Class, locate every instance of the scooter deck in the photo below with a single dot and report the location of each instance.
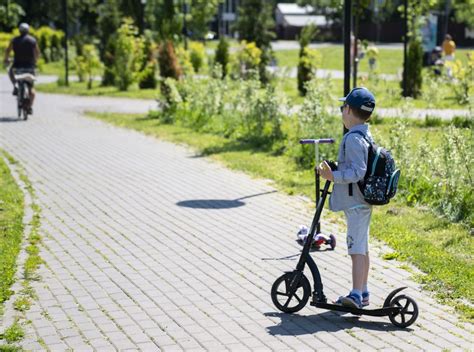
(372, 312)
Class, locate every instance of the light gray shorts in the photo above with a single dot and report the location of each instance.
(358, 223)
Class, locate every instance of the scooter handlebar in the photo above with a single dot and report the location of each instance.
(317, 141)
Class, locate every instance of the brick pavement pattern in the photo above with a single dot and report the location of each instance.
(149, 247)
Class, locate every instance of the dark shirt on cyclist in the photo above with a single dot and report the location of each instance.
(24, 49)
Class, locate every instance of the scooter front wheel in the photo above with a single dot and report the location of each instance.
(408, 312)
(291, 291)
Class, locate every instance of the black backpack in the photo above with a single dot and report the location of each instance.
(380, 182)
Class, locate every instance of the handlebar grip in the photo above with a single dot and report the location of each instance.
(317, 141)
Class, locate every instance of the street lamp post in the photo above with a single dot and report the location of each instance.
(405, 42)
(66, 58)
(143, 2)
(347, 48)
(185, 28)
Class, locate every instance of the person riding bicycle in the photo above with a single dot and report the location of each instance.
(26, 53)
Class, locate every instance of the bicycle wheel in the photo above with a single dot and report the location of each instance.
(26, 103)
(19, 100)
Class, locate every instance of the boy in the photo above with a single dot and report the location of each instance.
(346, 196)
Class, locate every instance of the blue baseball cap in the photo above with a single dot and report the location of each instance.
(360, 98)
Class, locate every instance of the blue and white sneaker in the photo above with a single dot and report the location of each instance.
(365, 299)
(352, 301)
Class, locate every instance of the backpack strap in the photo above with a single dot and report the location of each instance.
(344, 151)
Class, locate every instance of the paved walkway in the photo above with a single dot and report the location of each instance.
(147, 246)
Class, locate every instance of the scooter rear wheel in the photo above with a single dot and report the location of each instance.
(408, 311)
(291, 291)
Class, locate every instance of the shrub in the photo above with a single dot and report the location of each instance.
(222, 55)
(128, 54)
(91, 63)
(249, 57)
(168, 62)
(184, 60)
(147, 73)
(463, 122)
(108, 79)
(414, 68)
(198, 55)
(170, 101)
(463, 82)
(309, 60)
(80, 68)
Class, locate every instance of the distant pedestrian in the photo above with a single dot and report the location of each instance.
(449, 47)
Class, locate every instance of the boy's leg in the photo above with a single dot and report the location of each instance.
(358, 221)
(359, 271)
(366, 273)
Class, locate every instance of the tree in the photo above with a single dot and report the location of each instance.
(255, 24)
(10, 15)
(201, 13)
(164, 17)
(464, 11)
(108, 23)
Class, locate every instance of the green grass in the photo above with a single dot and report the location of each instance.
(11, 229)
(387, 94)
(441, 249)
(390, 61)
(13, 333)
(80, 88)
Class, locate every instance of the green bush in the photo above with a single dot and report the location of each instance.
(197, 55)
(168, 62)
(309, 61)
(249, 57)
(108, 78)
(463, 83)
(222, 55)
(414, 70)
(87, 64)
(128, 55)
(147, 73)
(184, 60)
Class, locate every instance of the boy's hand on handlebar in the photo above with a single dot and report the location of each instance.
(325, 171)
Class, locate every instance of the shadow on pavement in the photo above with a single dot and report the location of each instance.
(329, 321)
(217, 203)
(10, 119)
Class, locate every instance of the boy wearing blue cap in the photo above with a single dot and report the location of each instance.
(346, 195)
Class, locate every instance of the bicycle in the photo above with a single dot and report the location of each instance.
(24, 79)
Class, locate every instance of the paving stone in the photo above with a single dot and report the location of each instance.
(140, 232)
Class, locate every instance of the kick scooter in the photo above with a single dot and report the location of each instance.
(319, 238)
(291, 291)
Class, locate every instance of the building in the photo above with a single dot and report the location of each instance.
(226, 18)
(291, 18)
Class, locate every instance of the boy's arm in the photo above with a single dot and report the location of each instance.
(356, 154)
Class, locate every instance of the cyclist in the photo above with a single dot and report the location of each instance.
(26, 53)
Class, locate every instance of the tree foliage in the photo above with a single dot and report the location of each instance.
(164, 17)
(10, 15)
(255, 24)
(201, 13)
